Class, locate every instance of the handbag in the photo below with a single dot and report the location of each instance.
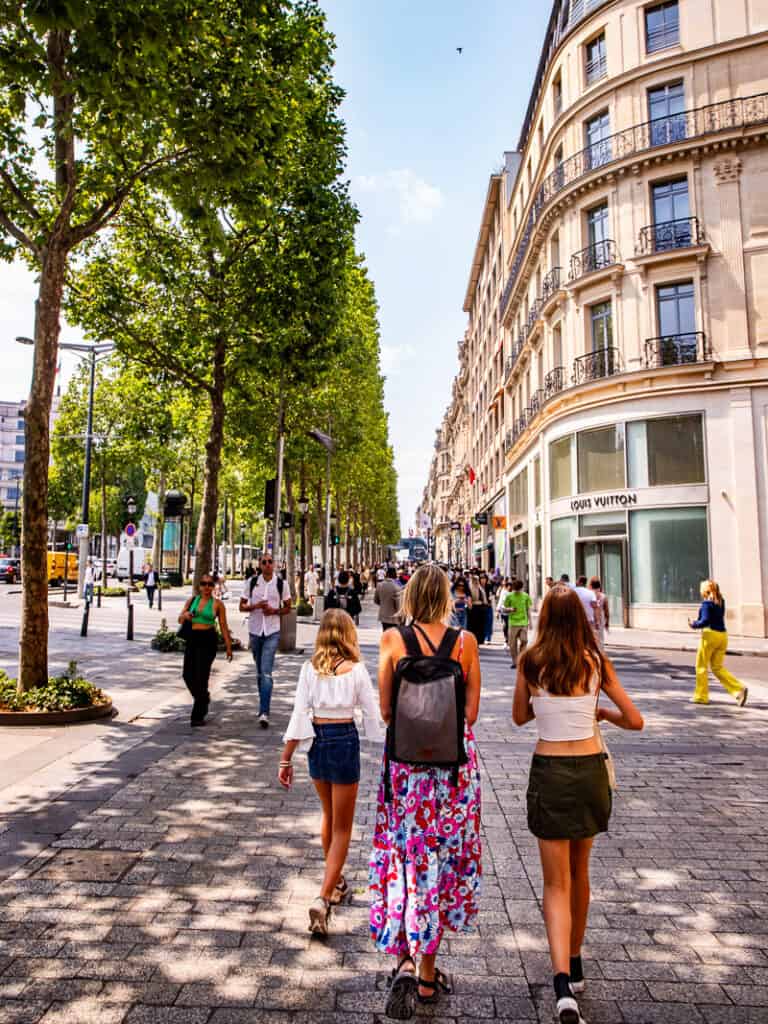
(610, 765)
(184, 632)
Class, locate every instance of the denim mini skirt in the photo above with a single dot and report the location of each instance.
(568, 797)
(335, 753)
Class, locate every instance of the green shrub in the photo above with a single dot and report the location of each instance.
(166, 640)
(113, 591)
(304, 608)
(61, 693)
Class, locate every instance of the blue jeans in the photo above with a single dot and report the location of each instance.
(489, 623)
(263, 650)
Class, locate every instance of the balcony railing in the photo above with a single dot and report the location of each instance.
(677, 349)
(596, 69)
(508, 366)
(594, 257)
(550, 284)
(724, 116)
(554, 381)
(669, 234)
(603, 362)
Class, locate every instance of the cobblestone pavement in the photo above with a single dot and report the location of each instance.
(174, 884)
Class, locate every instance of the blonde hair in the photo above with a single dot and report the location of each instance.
(710, 591)
(427, 596)
(336, 641)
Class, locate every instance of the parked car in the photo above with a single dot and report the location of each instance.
(9, 570)
(111, 567)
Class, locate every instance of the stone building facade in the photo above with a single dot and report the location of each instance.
(632, 317)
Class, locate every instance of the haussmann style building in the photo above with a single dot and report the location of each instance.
(617, 345)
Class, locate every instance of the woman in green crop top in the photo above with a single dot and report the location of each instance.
(202, 611)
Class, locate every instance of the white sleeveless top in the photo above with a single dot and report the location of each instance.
(334, 697)
(566, 718)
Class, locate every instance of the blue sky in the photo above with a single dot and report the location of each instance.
(426, 127)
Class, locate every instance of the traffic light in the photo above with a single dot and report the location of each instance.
(174, 504)
(286, 520)
(69, 546)
(269, 498)
(335, 539)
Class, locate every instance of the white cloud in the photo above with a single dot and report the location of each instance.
(393, 356)
(416, 201)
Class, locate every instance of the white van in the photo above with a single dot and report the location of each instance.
(140, 556)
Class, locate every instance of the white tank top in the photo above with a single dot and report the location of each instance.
(566, 718)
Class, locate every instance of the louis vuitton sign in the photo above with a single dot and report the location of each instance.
(598, 502)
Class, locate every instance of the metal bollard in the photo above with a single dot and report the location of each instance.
(65, 589)
(98, 597)
(84, 626)
(159, 595)
(129, 629)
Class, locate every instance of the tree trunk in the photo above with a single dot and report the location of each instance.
(233, 540)
(210, 501)
(321, 523)
(290, 554)
(33, 635)
(104, 536)
(186, 551)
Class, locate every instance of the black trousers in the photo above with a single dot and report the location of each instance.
(476, 621)
(199, 654)
(150, 595)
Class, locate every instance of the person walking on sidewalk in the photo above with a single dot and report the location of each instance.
(425, 867)
(713, 646)
(344, 596)
(151, 582)
(387, 596)
(267, 603)
(518, 607)
(559, 679)
(600, 610)
(202, 611)
(331, 686)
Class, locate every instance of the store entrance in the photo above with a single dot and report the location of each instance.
(607, 560)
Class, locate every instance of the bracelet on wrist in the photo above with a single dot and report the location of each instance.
(286, 764)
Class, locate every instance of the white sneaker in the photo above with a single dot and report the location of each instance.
(264, 721)
(568, 1011)
(578, 986)
(319, 915)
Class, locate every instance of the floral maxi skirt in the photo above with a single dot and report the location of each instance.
(425, 869)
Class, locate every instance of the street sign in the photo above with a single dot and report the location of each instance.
(82, 531)
(455, 525)
(130, 530)
(481, 518)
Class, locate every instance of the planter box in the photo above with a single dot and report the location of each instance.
(90, 714)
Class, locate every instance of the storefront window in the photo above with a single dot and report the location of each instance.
(601, 458)
(603, 524)
(518, 494)
(563, 532)
(669, 554)
(560, 473)
(669, 450)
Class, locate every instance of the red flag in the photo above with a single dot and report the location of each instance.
(471, 473)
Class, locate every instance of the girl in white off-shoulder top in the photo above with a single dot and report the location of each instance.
(334, 689)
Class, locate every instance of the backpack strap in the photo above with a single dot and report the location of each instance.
(431, 646)
(412, 648)
(447, 643)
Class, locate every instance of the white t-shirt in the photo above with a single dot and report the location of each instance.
(587, 598)
(260, 624)
(310, 582)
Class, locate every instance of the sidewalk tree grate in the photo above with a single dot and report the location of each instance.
(87, 866)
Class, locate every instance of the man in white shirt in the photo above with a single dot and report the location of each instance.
(266, 599)
(310, 584)
(587, 598)
(89, 578)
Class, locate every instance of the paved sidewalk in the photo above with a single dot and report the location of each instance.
(175, 889)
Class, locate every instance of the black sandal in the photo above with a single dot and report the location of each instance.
(340, 892)
(401, 1001)
(441, 985)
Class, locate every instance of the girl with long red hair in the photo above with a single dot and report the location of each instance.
(569, 798)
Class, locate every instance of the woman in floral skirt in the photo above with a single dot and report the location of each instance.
(425, 867)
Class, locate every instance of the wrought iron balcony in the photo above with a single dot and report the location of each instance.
(677, 349)
(594, 257)
(596, 69)
(727, 115)
(669, 234)
(603, 362)
(554, 381)
(508, 366)
(550, 284)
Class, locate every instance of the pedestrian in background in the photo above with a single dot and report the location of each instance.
(489, 588)
(713, 646)
(425, 867)
(267, 601)
(518, 606)
(461, 604)
(151, 582)
(89, 579)
(310, 585)
(387, 596)
(501, 611)
(569, 800)
(332, 685)
(477, 607)
(600, 610)
(344, 596)
(202, 611)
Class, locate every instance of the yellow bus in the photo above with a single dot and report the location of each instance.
(56, 562)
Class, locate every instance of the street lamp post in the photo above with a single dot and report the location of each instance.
(332, 520)
(242, 551)
(329, 444)
(130, 508)
(303, 504)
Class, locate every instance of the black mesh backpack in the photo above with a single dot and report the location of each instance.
(428, 692)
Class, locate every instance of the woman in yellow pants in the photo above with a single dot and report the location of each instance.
(714, 643)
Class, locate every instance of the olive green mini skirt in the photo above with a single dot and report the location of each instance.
(568, 797)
